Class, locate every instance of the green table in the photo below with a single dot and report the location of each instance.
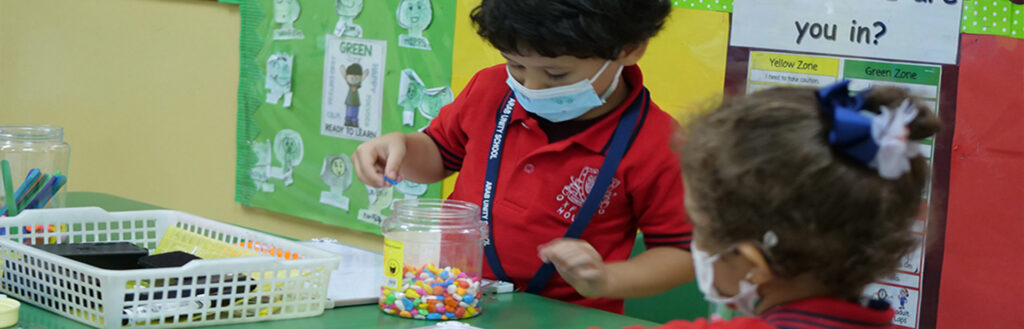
(517, 310)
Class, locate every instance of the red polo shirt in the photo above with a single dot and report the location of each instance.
(811, 313)
(542, 185)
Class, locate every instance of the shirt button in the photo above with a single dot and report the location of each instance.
(528, 168)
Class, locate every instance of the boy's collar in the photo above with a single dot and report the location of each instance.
(595, 139)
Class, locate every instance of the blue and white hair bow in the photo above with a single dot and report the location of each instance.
(879, 141)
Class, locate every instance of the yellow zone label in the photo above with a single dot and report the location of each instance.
(393, 263)
(794, 63)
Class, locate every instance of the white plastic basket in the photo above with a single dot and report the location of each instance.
(201, 293)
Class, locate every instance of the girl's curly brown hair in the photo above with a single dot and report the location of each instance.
(763, 162)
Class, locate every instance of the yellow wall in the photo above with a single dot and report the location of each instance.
(146, 92)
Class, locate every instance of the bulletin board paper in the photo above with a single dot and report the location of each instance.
(901, 30)
(295, 157)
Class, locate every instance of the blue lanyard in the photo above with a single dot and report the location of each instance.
(618, 144)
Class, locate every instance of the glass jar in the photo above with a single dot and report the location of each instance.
(35, 147)
(433, 255)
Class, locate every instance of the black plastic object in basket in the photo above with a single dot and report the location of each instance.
(167, 259)
(108, 255)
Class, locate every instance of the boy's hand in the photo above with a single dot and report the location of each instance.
(578, 263)
(379, 157)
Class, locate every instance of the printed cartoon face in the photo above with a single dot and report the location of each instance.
(280, 70)
(348, 8)
(286, 11)
(415, 15)
(353, 79)
(338, 167)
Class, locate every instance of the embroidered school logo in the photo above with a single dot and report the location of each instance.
(575, 193)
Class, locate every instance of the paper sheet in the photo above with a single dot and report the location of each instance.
(358, 277)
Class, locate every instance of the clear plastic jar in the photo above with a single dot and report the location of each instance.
(28, 147)
(433, 255)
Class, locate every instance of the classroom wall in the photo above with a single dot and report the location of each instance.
(146, 91)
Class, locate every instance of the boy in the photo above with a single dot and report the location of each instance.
(532, 138)
(354, 76)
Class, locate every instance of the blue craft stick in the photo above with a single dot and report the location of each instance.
(31, 193)
(46, 190)
(28, 184)
(61, 180)
(390, 181)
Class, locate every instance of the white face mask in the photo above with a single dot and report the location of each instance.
(562, 103)
(704, 265)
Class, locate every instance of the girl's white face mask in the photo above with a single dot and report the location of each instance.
(704, 265)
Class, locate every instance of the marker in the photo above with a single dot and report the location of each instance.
(12, 209)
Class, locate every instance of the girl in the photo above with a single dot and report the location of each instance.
(798, 201)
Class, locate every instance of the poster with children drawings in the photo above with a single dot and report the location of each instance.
(317, 79)
(353, 88)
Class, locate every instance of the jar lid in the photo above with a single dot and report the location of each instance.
(8, 311)
(27, 132)
(436, 215)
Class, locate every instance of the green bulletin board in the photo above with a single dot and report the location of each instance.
(307, 98)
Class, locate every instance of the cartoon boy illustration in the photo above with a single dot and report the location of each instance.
(354, 75)
(348, 10)
(415, 16)
(904, 295)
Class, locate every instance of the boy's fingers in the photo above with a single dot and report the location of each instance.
(364, 164)
(396, 153)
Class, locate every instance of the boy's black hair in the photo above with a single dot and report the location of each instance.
(580, 28)
(354, 69)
